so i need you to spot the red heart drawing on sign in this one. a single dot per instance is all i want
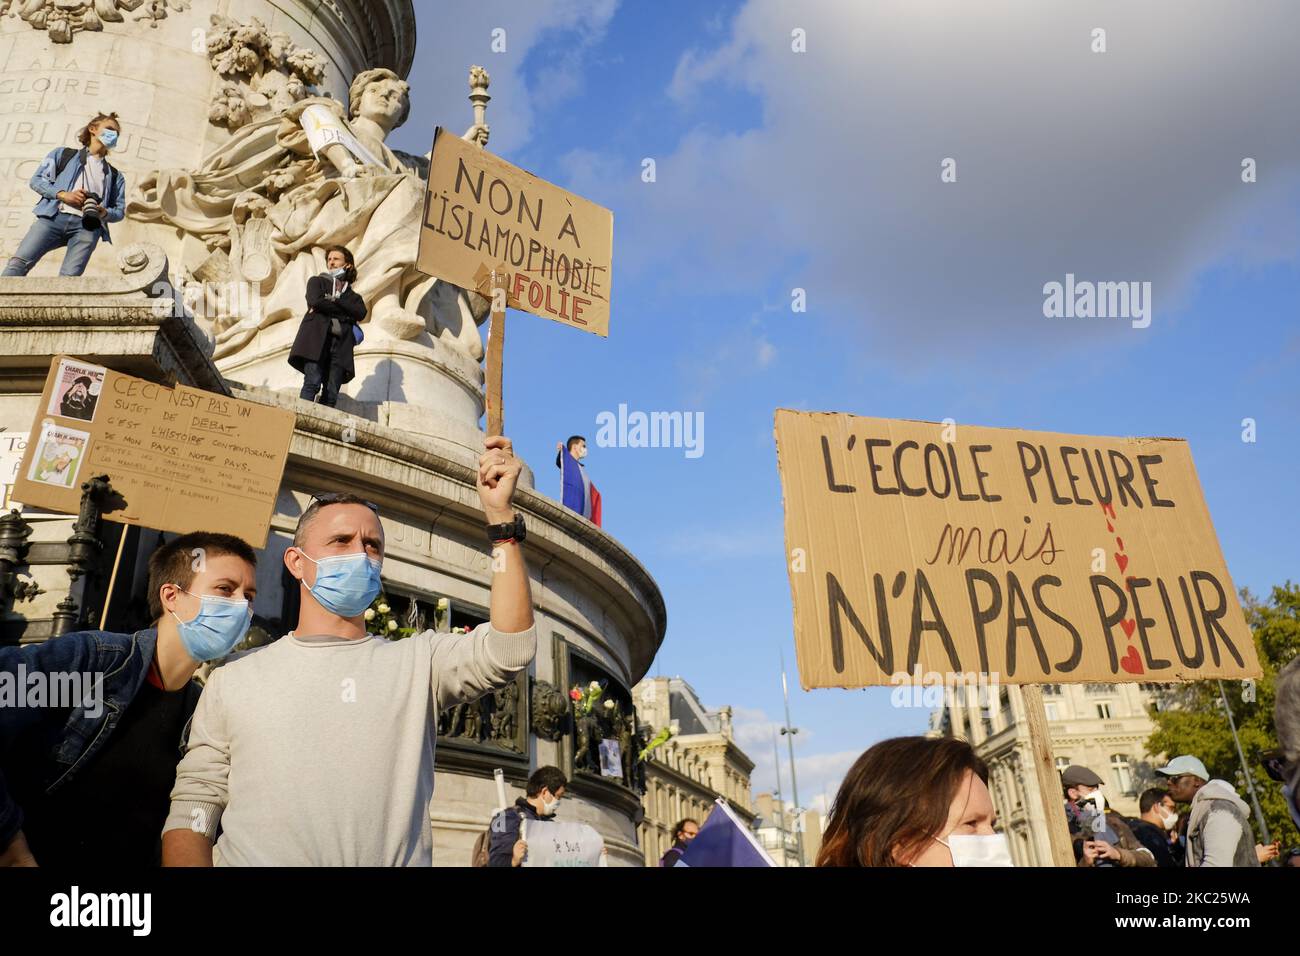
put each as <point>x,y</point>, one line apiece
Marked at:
<point>1128,627</point>
<point>1122,561</point>
<point>1131,662</point>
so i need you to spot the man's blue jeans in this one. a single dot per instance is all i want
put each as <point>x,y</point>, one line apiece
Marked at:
<point>45,236</point>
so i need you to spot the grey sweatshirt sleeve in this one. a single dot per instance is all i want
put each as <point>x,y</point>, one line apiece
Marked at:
<point>200,793</point>
<point>1220,834</point>
<point>467,666</point>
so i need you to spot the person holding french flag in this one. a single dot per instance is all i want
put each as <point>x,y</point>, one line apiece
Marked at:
<point>579,494</point>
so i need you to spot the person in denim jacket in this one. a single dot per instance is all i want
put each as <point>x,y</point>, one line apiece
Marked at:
<point>93,723</point>
<point>68,180</point>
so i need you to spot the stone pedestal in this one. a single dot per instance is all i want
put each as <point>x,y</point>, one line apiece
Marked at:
<point>405,435</point>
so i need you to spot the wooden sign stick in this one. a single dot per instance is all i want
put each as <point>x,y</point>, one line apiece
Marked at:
<point>112,576</point>
<point>495,355</point>
<point>1049,781</point>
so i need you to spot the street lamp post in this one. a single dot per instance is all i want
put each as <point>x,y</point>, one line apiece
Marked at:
<point>780,816</point>
<point>788,732</point>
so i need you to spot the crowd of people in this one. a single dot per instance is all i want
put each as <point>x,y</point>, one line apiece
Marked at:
<point>316,749</point>
<point>346,776</point>
<point>919,801</point>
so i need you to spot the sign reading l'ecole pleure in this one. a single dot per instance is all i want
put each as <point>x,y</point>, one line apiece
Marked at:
<point>1030,556</point>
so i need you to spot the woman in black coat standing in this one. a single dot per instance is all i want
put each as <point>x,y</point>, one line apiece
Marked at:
<point>322,350</point>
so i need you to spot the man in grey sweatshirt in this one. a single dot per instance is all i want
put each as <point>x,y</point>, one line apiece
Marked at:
<point>318,750</point>
<point>1218,830</point>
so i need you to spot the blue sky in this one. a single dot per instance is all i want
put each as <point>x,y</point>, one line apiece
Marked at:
<point>777,170</point>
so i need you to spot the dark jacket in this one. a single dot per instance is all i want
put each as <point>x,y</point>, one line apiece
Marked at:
<point>505,831</point>
<point>47,183</point>
<point>1156,840</point>
<point>67,737</point>
<point>314,342</point>
<point>672,855</point>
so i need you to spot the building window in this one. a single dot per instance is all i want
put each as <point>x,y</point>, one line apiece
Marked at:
<point>1103,710</point>
<point>1053,711</point>
<point>1120,768</point>
<point>1062,763</point>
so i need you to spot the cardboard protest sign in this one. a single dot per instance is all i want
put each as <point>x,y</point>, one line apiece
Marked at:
<point>182,458</point>
<point>1029,556</point>
<point>482,214</point>
<point>561,844</point>
<point>13,446</point>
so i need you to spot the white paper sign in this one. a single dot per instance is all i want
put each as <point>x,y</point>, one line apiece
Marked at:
<point>324,129</point>
<point>562,844</point>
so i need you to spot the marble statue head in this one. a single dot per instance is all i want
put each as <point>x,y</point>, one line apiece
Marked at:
<point>380,96</point>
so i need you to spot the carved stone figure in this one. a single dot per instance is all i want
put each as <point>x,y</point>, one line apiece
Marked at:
<point>505,713</point>
<point>265,72</point>
<point>62,19</point>
<point>282,189</point>
<point>550,711</point>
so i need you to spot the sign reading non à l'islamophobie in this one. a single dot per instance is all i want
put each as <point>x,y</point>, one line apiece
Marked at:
<point>1031,557</point>
<point>183,459</point>
<point>482,214</point>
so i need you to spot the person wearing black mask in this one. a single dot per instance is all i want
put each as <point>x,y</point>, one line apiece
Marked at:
<point>322,350</point>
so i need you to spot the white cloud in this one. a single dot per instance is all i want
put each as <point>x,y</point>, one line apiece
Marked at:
<point>449,43</point>
<point>1117,166</point>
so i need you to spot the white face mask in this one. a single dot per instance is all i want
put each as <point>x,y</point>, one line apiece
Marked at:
<point>978,850</point>
<point>550,806</point>
<point>1170,820</point>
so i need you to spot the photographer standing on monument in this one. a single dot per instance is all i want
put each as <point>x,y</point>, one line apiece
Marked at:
<point>318,750</point>
<point>81,193</point>
<point>322,349</point>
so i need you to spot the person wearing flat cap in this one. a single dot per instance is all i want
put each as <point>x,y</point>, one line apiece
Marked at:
<point>1101,838</point>
<point>1218,829</point>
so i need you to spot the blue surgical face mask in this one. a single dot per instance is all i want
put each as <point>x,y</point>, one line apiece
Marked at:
<point>108,137</point>
<point>338,273</point>
<point>220,624</point>
<point>345,584</point>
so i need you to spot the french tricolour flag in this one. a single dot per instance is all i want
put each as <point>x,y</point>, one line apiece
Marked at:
<point>724,840</point>
<point>580,494</point>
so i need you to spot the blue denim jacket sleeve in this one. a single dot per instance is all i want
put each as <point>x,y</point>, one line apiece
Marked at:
<point>42,181</point>
<point>16,723</point>
<point>116,206</point>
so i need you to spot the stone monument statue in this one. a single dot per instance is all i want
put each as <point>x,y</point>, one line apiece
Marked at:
<point>268,203</point>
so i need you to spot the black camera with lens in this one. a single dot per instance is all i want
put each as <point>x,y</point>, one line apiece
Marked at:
<point>91,211</point>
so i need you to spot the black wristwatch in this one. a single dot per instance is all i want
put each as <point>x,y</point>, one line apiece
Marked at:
<point>510,531</point>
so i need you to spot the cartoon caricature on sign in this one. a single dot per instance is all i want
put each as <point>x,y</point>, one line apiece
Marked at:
<point>58,456</point>
<point>76,390</point>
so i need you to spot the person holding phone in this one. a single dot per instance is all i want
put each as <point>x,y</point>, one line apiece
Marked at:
<point>1101,837</point>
